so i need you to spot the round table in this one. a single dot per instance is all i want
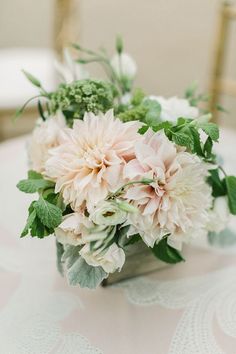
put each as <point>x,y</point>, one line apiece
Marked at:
<point>186,309</point>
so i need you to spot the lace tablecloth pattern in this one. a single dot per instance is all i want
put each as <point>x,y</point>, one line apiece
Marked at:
<point>186,309</point>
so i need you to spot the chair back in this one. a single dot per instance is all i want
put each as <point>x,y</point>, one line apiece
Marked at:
<point>219,84</point>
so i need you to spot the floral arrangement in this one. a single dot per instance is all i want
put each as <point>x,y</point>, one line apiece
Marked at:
<point>113,166</point>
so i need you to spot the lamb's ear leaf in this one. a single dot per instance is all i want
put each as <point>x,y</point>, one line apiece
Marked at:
<point>85,275</point>
<point>60,251</point>
<point>166,253</point>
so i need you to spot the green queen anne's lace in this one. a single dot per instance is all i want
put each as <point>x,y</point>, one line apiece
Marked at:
<point>83,96</point>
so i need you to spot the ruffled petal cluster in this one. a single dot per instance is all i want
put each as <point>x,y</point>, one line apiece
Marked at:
<point>178,199</point>
<point>90,163</point>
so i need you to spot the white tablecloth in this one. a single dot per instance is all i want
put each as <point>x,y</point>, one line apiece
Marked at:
<point>186,309</point>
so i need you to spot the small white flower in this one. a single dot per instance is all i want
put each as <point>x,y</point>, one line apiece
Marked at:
<point>219,215</point>
<point>124,65</point>
<point>107,213</point>
<point>173,108</point>
<point>69,70</point>
<point>110,261</point>
<point>73,230</point>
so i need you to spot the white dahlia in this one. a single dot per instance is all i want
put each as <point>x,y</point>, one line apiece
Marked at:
<point>90,163</point>
<point>178,200</point>
<point>47,134</point>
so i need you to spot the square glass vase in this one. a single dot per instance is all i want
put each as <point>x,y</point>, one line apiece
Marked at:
<point>139,261</point>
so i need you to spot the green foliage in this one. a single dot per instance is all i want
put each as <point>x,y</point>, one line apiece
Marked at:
<point>46,213</point>
<point>134,113</point>
<point>207,148</point>
<point>217,184</point>
<point>41,111</point>
<point>220,108</point>
<point>31,218</point>
<point>60,252</point>
<point>85,275</point>
<point>148,112</point>
<point>119,44</point>
<point>34,183</point>
<point>138,96</point>
<point>231,191</point>
<point>193,96</point>
<point>34,226</point>
<point>152,117</point>
<point>133,239</point>
<point>182,139</point>
<point>70,255</point>
<point>225,238</point>
<point>32,79</point>
<point>82,96</point>
<point>186,133</point>
<point>166,253</point>
<point>79,272</point>
<point>211,129</point>
<point>50,215</point>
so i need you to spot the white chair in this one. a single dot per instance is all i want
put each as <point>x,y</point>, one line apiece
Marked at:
<point>14,87</point>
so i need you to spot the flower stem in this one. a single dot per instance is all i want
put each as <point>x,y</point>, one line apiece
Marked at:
<point>119,191</point>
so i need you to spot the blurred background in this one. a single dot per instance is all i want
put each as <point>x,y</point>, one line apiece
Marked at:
<point>173,42</point>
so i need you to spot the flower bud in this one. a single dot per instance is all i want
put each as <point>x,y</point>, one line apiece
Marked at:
<point>129,208</point>
<point>124,66</point>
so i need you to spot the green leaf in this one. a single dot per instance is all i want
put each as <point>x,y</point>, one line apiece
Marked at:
<point>143,129</point>
<point>231,191</point>
<point>207,149</point>
<point>220,108</point>
<point>85,275</point>
<point>60,251</point>
<point>164,125</point>
<point>191,90</point>
<point>133,239</point>
<point>218,185</point>
<point>40,109</point>
<point>38,229</point>
<point>33,185</point>
<point>182,139</point>
<point>34,175</point>
<point>49,214</point>
<point>70,255</point>
<point>119,44</point>
<point>32,79</point>
<point>225,238</point>
<point>152,117</point>
<point>55,199</point>
<point>196,141</point>
<point>211,129</point>
<point>137,97</point>
<point>29,223</point>
<point>166,253</point>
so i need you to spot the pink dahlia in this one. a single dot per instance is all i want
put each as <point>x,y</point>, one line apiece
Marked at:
<point>90,163</point>
<point>177,202</point>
